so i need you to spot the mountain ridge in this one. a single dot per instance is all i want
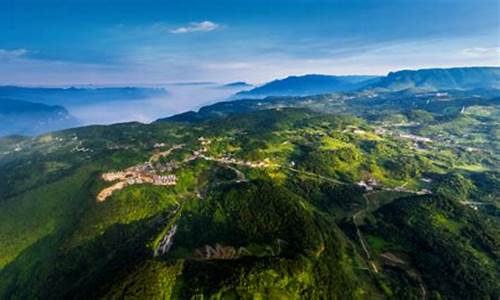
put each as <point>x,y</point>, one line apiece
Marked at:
<point>434,79</point>
<point>431,79</point>
<point>307,85</point>
<point>318,197</point>
<point>31,118</point>
<point>77,95</point>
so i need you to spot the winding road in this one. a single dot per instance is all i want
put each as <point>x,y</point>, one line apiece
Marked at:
<point>361,238</point>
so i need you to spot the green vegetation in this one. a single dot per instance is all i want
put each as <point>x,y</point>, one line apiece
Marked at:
<point>271,201</point>
<point>440,236</point>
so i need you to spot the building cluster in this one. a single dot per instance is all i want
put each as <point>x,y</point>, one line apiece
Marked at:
<point>438,95</point>
<point>204,141</point>
<point>402,189</point>
<point>424,192</point>
<point>167,167</point>
<point>80,148</point>
<point>201,153</point>
<point>230,160</point>
<point>142,173</point>
<point>164,180</point>
<point>371,184</point>
<point>368,185</point>
<point>138,174</point>
<point>380,131</point>
<point>149,172</point>
<point>415,138</point>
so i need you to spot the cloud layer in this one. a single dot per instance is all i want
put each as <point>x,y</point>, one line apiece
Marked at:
<point>230,40</point>
<point>204,26</point>
<point>478,52</point>
<point>7,54</point>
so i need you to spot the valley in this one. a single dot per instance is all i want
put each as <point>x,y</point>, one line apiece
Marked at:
<point>253,150</point>
<point>264,196</point>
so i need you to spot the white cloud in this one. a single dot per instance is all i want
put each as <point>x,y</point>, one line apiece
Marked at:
<point>15,53</point>
<point>479,52</point>
<point>204,26</point>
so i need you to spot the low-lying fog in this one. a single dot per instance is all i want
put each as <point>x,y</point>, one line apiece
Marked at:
<point>180,98</point>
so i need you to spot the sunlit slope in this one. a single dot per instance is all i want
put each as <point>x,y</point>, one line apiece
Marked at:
<point>281,203</point>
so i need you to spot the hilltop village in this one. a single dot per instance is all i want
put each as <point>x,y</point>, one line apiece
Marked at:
<point>153,172</point>
<point>161,174</point>
<point>257,197</point>
<point>147,172</point>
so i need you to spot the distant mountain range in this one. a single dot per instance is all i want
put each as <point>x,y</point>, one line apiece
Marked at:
<point>348,195</point>
<point>260,203</point>
<point>421,80</point>
<point>237,84</point>
<point>441,79</point>
<point>359,104</point>
<point>35,110</point>
<point>308,85</point>
<point>28,118</point>
<point>77,96</point>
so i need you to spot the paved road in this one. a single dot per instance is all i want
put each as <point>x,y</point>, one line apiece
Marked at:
<point>314,175</point>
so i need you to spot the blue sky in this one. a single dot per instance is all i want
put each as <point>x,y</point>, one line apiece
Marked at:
<point>154,42</point>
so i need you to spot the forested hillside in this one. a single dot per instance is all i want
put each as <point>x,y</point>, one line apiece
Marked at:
<point>280,198</point>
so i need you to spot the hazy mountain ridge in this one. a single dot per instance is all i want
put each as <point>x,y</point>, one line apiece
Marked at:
<point>422,80</point>
<point>307,85</point>
<point>442,79</point>
<point>28,118</point>
<point>76,95</point>
<point>361,104</point>
<point>35,110</point>
<point>237,84</point>
<point>337,196</point>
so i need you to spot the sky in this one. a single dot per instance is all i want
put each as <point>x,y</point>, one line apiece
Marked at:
<point>144,42</point>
